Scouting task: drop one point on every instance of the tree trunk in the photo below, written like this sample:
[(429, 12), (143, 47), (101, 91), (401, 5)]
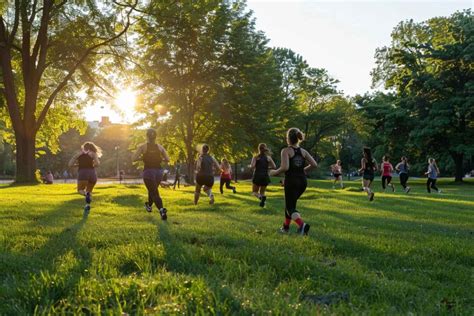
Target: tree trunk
[(25, 158), (190, 162), (458, 161)]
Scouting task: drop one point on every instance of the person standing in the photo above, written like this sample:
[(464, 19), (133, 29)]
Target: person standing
[(368, 168), (403, 167), (87, 159), (152, 155), (205, 166), (295, 163), (387, 170), (177, 179), (336, 171), (226, 176), (261, 163), (432, 173)]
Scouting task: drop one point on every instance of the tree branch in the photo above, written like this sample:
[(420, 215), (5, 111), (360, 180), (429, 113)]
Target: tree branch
[(95, 81), (15, 23)]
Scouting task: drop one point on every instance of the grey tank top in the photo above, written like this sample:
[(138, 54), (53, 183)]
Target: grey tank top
[(206, 165)]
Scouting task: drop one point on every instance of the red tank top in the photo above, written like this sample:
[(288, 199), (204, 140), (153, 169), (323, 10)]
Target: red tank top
[(387, 167)]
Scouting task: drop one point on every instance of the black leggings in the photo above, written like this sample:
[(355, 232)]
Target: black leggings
[(294, 188), (404, 180), (153, 194), (386, 181), (227, 185), (177, 180), (431, 184)]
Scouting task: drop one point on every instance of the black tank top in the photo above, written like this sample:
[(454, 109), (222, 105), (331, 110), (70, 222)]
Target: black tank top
[(369, 166), (85, 161), (152, 157), (206, 165), (297, 164), (261, 164)]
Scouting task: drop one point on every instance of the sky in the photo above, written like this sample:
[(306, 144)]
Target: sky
[(340, 36)]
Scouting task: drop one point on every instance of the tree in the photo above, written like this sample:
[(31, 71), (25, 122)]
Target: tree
[(43, 69), (430, 67)]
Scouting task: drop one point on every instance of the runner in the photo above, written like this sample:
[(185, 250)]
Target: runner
[(260, 164), (177, 178), (368, 167), (87, 159), (152, 155), (403, 167), (432, 173), (226, 176), (336, 171), (293, 164), (205, 166), (387, 170)]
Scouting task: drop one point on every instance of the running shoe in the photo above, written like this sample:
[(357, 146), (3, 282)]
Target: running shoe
[(148, 207), (234, 190), (163, 214), (87, 210), (88, 198), (284, 229), (407, 190), (439, 191), (371, 198), (263, 199), (303, 230), (211, 199), (393, 188)]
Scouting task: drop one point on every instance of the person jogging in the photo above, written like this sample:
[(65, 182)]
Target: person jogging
[(368, 168), (177, 178), (226, 176), (403, 167), (432, 173), (387, 170), (205, 166), (86, 159), (261, 163), (152, 155), (295, 163), (336, 171)]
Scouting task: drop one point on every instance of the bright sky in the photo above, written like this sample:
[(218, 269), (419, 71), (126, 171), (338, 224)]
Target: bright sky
[(340, 36)]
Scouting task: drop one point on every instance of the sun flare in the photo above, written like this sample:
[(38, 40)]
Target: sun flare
[(126, 100)]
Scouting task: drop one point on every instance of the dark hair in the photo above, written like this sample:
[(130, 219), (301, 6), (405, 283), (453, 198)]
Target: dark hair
[(263, 149), (294, 136), (386, 158), (205, 148), (90, 146), (368, 157), (151, 135), (404, 158)]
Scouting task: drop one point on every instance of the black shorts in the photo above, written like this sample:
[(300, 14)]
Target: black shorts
[(203, 179), (336, 175), (368, 176), (261, 180)]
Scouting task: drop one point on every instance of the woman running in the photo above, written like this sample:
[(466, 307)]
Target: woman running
[(205, 166), (432, 173), (294, 161), (87, 159), (152, 155), (387, 170), (336, 171), (226, 176), (368, 168), (260, 164), (402, 167)]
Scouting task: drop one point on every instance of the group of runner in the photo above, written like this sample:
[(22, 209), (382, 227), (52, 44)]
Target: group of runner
[(296, 162)]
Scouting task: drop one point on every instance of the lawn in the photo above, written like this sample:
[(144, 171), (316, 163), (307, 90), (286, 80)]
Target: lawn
[(400, 254)]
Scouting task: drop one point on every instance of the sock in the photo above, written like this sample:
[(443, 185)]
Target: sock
[(287, 222), (209, 193), (299, 222), (342, 185)]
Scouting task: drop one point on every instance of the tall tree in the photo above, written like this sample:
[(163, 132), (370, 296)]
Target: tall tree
[(430, 66), (43, 68)]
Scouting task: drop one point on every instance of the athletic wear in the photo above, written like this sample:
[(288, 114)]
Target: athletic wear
[(295, 181), (431, 184), (386, 181), (403, 168), (152, 157), (206, 165), (432, 172), (260, 174), (88, 175), (85, 161), (404, 180), (297, 164), (226, 181), (369, 170), (387, 169)]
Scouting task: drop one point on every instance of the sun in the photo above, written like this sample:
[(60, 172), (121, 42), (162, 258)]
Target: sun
[(126, 100)]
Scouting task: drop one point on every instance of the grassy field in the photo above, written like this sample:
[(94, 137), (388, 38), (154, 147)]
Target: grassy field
[(400, 254)]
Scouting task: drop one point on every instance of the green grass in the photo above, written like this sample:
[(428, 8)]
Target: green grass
[(400, 254)]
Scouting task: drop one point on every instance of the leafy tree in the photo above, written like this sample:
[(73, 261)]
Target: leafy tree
[(430, 67), (43, 68)]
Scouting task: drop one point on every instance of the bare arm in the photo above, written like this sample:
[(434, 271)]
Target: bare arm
[(138, 153), (397, 167), (95, 158), (271, 163), (253, 163), (73, 161), (311, 162), (217, 166), (198, 164), (166, 158), (376, 166), (284, 165), (362, 165)]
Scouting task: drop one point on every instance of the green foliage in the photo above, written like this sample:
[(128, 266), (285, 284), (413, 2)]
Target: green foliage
[(397, 255)]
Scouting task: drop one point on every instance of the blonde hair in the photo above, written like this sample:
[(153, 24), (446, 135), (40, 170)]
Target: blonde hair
[(225, 163), (294, 136), (90, 146), (263, 149)]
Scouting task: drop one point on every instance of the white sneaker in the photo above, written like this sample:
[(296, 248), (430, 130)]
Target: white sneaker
[(211, 199)]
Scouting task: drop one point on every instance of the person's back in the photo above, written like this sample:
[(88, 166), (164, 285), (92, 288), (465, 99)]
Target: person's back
[(85, 161), (297, 164), (387, 169), (432, 171), (207, 163), (261, 164), (152, 156)]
